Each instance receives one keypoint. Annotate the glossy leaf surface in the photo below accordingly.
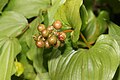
(98, 63)
(69, 14)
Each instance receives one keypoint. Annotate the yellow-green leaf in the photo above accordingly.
(98, 63)
(8, 52)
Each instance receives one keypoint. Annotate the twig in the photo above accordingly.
(24, 30)
(84, 39)
(65, 31)
(82, 36)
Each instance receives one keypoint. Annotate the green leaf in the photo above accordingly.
(29, 47)
(98, 63)
(117, 74)
(12, 23)
(53, 9)
(34, 54)
(43, 76)
(114, 31)
(2, 40)
(9, 51)
(29, 72)
(84, 17)
(2, 4)
(38, 61)
(96, 26)
(28, 8)
(28, 38)
(32, 31)
(69, 14)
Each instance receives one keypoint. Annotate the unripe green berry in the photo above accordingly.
(52, 39)
(39, 43)
(47, 45)
(45, 33)
(57, 24)
(19, 68)
(62, 36)
(41, 27)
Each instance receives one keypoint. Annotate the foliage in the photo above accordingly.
(91, 50)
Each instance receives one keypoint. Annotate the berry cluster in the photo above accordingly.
(50, 36)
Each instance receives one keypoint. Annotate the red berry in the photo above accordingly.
(41, 27)
(62, 36)
(40, 44)
(57, 24)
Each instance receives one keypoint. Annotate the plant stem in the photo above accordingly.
(24, 30)
(84, 39)
(82, 36)
(65, 31)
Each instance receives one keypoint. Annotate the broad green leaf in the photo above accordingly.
(117, 74)
(32, 31)
(28, 8)
(61, 15)
(29, 72)
(13, 69)
(69, 14)
(28, 38)
(28, 52)
(96, 26)
(38, 61)
(114, 31)
(98, 63)
(2, 4)
(84, 17)
(53, 9)
(9, 51)
(34, 54)
(2, 40)
(43, 76)
(12, 23)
